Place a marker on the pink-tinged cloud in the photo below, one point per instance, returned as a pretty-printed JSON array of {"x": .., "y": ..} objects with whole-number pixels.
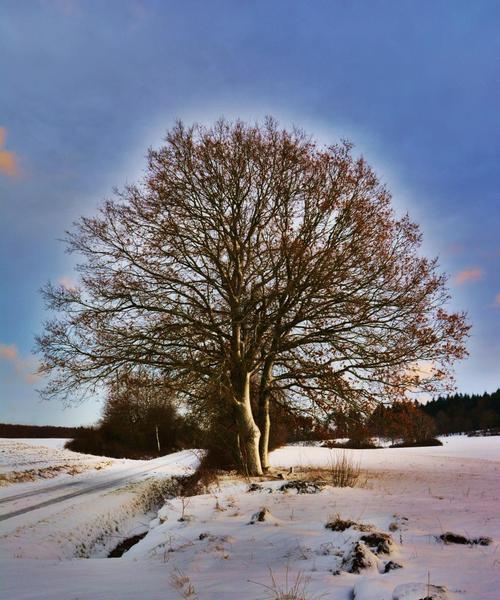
[
  {"x": 25, "y": 368},
  {"x": 8, "y": 352},
  {"x": 468, "y": 275},
  {"x": 8, "y": 160},
  {"x": 67, "y": 283},
  {"x": 496, "y": 304}
]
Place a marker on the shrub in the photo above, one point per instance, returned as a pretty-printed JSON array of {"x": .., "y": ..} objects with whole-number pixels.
[
  {"x": 418, "y": 444},
  {"x": 139, "y": 420},
  {"x": 351, "y": 444},
  {"x": 344, "y": 472},
  {"x": 403, "y": 420},
  {"x": 200, "y": 481}
]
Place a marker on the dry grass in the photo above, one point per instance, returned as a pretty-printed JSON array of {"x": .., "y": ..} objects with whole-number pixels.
[
  {"x": 288, "y": 590},
  {"x": 155, "y": 493},
  {"x": 336, "y": 523},
  {"x": 343, "y": 470},
  {"x": 49, "y": 472},
  {"x": 182, "y": 584}
]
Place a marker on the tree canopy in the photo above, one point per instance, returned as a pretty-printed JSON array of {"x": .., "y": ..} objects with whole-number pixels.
[{"x": 255, "y": 264}]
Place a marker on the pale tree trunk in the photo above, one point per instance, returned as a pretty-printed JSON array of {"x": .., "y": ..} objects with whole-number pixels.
[
  {"x": 264, "y": 418},
  {"x": 249, "y": 434},
  {"x": 157, "y": 439},
  {"x": 265, "y": 430}
]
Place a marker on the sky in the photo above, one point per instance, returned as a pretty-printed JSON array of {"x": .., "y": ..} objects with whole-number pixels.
[{"x": 87, "y": 86}]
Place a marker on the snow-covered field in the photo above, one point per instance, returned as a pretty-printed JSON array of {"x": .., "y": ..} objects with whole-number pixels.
[
  {"x": 24, "y": 460},
  {"x": 56, "y": 443},
  {"x": 412, "y": 494}
]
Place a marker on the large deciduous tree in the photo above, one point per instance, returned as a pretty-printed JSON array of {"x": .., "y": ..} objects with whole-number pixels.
[{"x": 255, "y": 264}]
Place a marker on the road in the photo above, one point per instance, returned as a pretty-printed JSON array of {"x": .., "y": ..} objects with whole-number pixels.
[{"x": 113, "y": 478}]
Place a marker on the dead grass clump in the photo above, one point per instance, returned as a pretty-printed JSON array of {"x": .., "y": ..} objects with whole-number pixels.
[
  {"x": 456, "y": 538},
  {"x": 381, "y": 543},
  {"x": 343, "y": 471},
  {"x": 339, "y": 524},
  {"x": 359, "y": 559},
  {"x": 182, "y": 584},
  {"x": 289, "y": 590}
]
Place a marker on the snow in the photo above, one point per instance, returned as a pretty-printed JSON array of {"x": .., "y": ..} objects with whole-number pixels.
[
  {"x": 84, "y": 514},
  {"x": 454, "y": 448},
  {"x": 56, "y": 443},
  {"x": 39, "y": 455},
  {"x": 415, "y": 494}
]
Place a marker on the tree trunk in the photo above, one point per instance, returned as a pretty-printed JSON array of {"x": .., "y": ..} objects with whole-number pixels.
[
  {"x": 264, "y": 419},
  {"x": 265, "y": 430},
  {"x": 157, "y": 439},
  {"x": 249, "y": 434}
]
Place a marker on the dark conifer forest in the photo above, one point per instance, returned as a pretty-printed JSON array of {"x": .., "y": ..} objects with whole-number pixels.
[
  {"x": 10, "y": 430},
  {"x": 464, "y": 412}
]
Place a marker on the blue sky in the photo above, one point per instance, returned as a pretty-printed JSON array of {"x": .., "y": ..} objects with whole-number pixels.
[{"x": 87, "y": 86}]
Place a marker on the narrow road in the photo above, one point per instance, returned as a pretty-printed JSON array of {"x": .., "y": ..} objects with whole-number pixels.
[{"x": 112, "y": 478}]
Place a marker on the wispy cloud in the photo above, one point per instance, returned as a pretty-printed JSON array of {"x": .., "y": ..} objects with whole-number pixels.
[
  {"x": 23, "y": 367},
  {"x": 8, "y": 160},
  {"x": 496, "y": 303},
  {"x": 468, "y": 275},
  {"x": 67, "y": 282}
]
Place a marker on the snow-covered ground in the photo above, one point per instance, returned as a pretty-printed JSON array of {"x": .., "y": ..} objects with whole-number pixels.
[
  {"x": 83, "y": 512},
  {"x": 24, "y": 460},
  {"x": 412, "y": 494},
  {"x": 56, "y": 443},
  {"x": 454, "y": 447}
]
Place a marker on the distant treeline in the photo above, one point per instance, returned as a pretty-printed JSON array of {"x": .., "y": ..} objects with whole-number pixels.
[
  {"x": 451, "y": 414},
  {"x": 38, "y": 431},
  {"x": 463, "y": 412}
]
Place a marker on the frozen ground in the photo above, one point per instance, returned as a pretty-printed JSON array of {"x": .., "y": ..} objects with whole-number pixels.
[{"x": 413, "y": 494}]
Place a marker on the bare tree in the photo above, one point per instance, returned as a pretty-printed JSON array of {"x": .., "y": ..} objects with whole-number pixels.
[
  {"x": 250, "y": 254},
  {"x": 140, "y": 410}
]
